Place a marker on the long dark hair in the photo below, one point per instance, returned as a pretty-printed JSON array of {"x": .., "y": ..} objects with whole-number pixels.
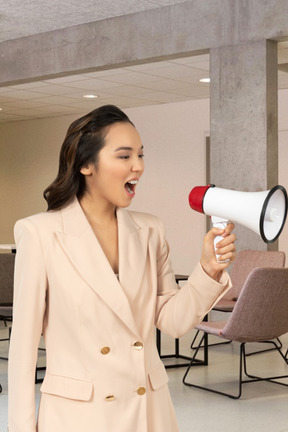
[{"x": 84, "y": 140}]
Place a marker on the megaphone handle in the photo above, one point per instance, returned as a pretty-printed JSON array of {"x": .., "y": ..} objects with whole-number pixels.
[{"x": 222, "y": 224}]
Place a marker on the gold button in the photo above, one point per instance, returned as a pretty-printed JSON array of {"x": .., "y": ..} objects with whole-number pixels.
[
  {"x": 105, "y": 350},
  {"x": 141, "y": 391},
  {"x": 109, "y": 398},
  {"x": 138, "y": 345}
]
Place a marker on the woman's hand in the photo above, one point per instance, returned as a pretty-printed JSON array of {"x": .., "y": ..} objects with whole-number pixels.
[{"x": 225, "y": 250}]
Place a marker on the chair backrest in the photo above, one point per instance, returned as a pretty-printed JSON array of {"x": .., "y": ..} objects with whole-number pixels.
[
  {"x": 261, "y": 312},
  {"x": 246, "y": 261},
  {"x": 7, "y": 261}
]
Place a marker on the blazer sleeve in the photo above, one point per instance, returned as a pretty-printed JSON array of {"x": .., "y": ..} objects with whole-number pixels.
[
  {"x": 178, "y": 310},
  {"x": 30, "y": 285}
]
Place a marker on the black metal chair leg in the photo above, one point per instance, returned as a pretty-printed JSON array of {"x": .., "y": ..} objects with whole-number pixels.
[
  {"x": 270, "y": 379},
  {"x": 242, "y": 368},
  {"x": 279, "y": 346},
  {"x": 237, "y": 396}
]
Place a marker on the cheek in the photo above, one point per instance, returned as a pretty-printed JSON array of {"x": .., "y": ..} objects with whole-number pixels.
[
  {"x": 110, "y": 172},
  {"x": 118, "y": 172},
  {"x": 113, "y": 179}
]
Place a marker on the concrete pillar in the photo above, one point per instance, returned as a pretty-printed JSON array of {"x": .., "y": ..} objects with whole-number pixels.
[{"x": 244, "y": 123}]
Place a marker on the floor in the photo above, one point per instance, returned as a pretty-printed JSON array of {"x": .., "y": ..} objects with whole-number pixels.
[{"x": 262, "y": 407}]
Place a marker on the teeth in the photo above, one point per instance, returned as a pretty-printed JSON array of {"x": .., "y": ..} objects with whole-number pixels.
[{"x": 131, "y": 182}]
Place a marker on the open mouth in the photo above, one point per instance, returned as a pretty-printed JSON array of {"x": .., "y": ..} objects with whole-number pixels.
[{"x": 130, "y": 186}]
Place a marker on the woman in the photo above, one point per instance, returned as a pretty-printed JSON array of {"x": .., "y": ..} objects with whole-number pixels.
[{"x": 95, "y": 279}]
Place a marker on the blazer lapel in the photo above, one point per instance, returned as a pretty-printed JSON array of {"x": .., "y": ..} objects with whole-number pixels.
[{"x": 85, "y": 253}]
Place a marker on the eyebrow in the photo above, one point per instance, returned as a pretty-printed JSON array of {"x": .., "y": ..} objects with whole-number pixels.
[{"x": 127, "y": 148}]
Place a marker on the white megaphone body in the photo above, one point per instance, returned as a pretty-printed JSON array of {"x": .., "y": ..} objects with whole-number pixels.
[{"x": 262, "y": 212}]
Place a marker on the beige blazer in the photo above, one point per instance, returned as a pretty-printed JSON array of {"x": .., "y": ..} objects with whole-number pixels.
[{"x": 103, "y": 373}]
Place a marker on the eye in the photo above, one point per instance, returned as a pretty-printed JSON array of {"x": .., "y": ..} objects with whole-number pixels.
[
  {"x": 124, "y": 157},
  {"x": 141, "y": 156}
]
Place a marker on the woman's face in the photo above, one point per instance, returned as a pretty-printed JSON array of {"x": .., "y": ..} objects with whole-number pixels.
[{"x": 113, "y": 179}]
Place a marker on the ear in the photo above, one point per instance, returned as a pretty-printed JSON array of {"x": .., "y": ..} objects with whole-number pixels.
[{"x": 86, "y": 170}]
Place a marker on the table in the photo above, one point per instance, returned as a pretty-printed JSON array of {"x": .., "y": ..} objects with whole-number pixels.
[{"x": 176, "y": 354}]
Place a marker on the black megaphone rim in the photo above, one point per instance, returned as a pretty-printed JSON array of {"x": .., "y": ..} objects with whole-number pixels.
[{"x": 264, "y": 208}]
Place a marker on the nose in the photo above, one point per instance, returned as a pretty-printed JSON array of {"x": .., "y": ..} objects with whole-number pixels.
[{"x": 138, "y": 165}]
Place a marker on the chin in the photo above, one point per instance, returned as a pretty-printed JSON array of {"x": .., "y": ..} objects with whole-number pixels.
[
  {"x": 123, "y": 205},
  {"x": 123, "y": 202}
]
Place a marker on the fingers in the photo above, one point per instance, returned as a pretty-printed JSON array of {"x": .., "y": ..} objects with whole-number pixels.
[
  {"x": 228, "y": 230},
  {"x": 226, "y": 258},
  {"x": 226, "y": 248},
  {"x": 226, "y": 244}
]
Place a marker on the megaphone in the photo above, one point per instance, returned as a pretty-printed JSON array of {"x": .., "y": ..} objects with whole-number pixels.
[{"x": 263, "y": 212}]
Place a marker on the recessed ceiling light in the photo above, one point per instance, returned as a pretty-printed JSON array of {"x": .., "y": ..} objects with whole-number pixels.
[
  {"x": 205, "y": 80},
  {"x": 90, "y": 96}
]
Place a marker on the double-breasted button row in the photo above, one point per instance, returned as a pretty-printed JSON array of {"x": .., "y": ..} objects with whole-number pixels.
[{"x": 136, "y": 345}]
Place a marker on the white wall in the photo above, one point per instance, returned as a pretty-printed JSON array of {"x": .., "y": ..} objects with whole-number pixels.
[
  {"x": 28, "y": 163},
  {"x": 174, "y": 143}
]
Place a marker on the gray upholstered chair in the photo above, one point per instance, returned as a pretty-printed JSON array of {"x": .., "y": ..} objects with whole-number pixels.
[
  {"x": 259, "y": 315},
  {"x": 246, "y": 261},
  {"x": 6, "y": 289}
]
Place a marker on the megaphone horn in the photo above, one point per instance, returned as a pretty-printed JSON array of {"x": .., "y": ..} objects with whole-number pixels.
[{"x": 263, "y": 212}]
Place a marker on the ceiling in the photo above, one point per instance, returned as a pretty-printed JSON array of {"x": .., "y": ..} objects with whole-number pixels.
[
  {"x": 147, "y": 84},
  {"x": 21, "y": 18}
]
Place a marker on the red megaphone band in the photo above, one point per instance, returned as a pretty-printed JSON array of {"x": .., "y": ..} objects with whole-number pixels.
[{"x": 196, "y": 197}]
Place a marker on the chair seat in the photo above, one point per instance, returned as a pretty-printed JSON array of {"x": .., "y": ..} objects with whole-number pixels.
[
  {"x": 224, "y": 305},
  {"x": 213, "y": 327}
]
